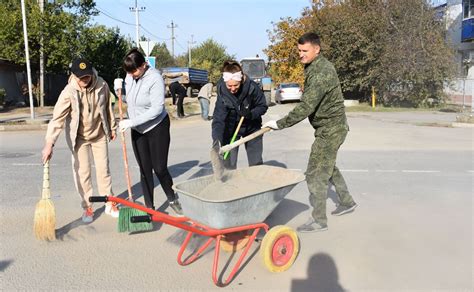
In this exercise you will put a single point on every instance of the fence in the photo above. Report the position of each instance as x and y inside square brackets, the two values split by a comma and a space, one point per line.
[460, 91]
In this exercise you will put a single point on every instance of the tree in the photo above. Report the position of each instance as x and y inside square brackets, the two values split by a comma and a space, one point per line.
[61, 31]
[416, 61]
[283, 52]
[394, 45]
[105, 51]
[67, 33]
[210, 56]
[163, 56]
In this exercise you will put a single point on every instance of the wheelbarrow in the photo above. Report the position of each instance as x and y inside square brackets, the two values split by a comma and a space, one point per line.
[238, 209]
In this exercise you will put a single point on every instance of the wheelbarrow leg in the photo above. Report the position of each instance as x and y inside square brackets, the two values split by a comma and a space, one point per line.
[239, 261]
[195, 255]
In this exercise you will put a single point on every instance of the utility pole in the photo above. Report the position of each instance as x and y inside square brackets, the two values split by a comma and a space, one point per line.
[173, 26]
[190, 43]
[41, 85]
[137, 10]
[27, 57]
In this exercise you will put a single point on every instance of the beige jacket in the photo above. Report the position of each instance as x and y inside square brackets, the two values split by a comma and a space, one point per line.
[67, 111]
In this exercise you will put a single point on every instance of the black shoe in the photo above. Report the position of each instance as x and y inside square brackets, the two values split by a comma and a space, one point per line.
[312, 226]
[341, 209]
[176, 206]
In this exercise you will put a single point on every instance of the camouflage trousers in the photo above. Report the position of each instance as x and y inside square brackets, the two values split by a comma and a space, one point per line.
[322, 170]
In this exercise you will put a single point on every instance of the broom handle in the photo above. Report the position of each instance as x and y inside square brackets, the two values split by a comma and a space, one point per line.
[46, 194]
[124, 149]
[234, 136]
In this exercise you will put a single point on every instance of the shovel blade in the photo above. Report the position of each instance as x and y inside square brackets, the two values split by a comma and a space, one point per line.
[217, 161]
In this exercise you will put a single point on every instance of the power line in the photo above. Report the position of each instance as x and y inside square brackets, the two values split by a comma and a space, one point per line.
[152, 34]
[108, 15]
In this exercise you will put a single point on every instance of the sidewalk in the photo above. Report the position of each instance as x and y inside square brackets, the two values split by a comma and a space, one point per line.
[19, 119]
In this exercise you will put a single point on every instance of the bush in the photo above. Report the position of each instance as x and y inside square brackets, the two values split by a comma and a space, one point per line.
[3, 94]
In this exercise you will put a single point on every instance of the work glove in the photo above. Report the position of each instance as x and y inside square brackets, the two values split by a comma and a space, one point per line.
[124, 125]
[271, 124]
[246, 113]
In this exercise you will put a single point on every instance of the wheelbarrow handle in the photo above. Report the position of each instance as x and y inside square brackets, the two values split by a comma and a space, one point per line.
[96, 199]
[243, 140]
[139, 219]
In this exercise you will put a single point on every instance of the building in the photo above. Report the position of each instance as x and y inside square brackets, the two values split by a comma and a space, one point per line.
[458, 16]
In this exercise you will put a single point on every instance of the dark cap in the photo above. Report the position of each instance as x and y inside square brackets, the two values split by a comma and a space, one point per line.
[81, 67]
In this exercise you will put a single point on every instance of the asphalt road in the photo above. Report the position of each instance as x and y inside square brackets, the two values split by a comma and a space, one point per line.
[412, 230]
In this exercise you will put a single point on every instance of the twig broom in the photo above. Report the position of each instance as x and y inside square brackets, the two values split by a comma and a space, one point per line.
[45, 216]
[125, 213]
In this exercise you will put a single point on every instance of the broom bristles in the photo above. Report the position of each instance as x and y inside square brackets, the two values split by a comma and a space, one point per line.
[45, 220]
[124, 224]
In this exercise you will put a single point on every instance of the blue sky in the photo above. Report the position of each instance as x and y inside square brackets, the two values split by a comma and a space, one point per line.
[240, 25]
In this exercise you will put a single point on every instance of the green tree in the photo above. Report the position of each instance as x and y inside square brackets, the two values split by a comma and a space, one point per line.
[106, 50]
[163, 56]
[61, 31]
[210, 56]
[395, 45]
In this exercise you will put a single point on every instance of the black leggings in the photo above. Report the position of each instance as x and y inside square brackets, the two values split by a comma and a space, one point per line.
[151, 151]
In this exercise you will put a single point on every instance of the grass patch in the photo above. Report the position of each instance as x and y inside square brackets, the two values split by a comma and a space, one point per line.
[365, 107]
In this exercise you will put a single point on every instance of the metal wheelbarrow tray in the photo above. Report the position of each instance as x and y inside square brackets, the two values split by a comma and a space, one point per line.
[246, 196]
[225, 217]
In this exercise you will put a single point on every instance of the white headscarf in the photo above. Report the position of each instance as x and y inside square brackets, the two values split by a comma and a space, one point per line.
[237, 76]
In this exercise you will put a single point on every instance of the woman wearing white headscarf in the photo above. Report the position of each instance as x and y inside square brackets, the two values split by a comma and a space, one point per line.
[238, 96]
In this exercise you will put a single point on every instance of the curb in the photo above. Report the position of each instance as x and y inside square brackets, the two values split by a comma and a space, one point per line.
[23, 128]
[24, 125]
[462, 125]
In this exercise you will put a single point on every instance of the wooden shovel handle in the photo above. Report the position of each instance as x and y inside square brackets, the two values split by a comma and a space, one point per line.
[124, 149]
[243, 140]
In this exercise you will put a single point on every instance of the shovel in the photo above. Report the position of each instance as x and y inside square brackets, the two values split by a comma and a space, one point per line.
[217, 151]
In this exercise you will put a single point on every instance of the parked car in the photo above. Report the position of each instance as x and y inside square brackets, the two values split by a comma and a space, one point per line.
[288, 92]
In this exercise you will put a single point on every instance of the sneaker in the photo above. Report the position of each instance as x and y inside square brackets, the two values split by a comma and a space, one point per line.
[88, 215]
[112, 209]
[176, 206]
[341, 209]
[312, 226]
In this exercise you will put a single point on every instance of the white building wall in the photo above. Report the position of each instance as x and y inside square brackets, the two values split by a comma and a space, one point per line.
[464, 51]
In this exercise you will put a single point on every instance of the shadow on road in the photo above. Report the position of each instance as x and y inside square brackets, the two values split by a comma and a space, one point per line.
[322, 276]
[4, 265]
[284, 212]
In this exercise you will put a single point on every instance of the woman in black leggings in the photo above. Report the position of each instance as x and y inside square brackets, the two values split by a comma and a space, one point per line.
[150, 126]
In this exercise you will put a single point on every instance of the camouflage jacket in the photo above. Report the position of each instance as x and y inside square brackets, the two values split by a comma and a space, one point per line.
[322, 102]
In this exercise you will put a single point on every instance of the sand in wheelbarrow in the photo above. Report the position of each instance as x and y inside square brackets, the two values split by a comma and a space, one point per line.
[241, 183]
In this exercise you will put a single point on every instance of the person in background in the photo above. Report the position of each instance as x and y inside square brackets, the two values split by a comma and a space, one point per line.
[113, 100]
[238, 97]
[178, 92]
[150, 126]
[204, 97]
[119, 88]
[323, 104]
[85, 111]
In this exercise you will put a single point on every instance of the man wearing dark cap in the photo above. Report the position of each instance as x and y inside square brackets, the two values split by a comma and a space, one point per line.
[84, 110]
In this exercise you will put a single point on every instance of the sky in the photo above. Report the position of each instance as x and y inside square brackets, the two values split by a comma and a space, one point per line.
[239, 25]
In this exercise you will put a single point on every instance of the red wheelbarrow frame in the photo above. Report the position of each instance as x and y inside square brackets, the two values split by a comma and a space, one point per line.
[193, 227]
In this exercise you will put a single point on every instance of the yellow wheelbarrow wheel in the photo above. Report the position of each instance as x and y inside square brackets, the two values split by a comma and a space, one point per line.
[279, 248]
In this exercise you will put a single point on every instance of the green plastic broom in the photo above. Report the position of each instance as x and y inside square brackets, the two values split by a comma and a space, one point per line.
[125, 213]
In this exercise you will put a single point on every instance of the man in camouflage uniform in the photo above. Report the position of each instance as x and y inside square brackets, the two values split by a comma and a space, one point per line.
[322, 103]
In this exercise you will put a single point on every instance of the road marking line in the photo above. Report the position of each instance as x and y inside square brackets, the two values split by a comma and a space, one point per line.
[419, 171]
